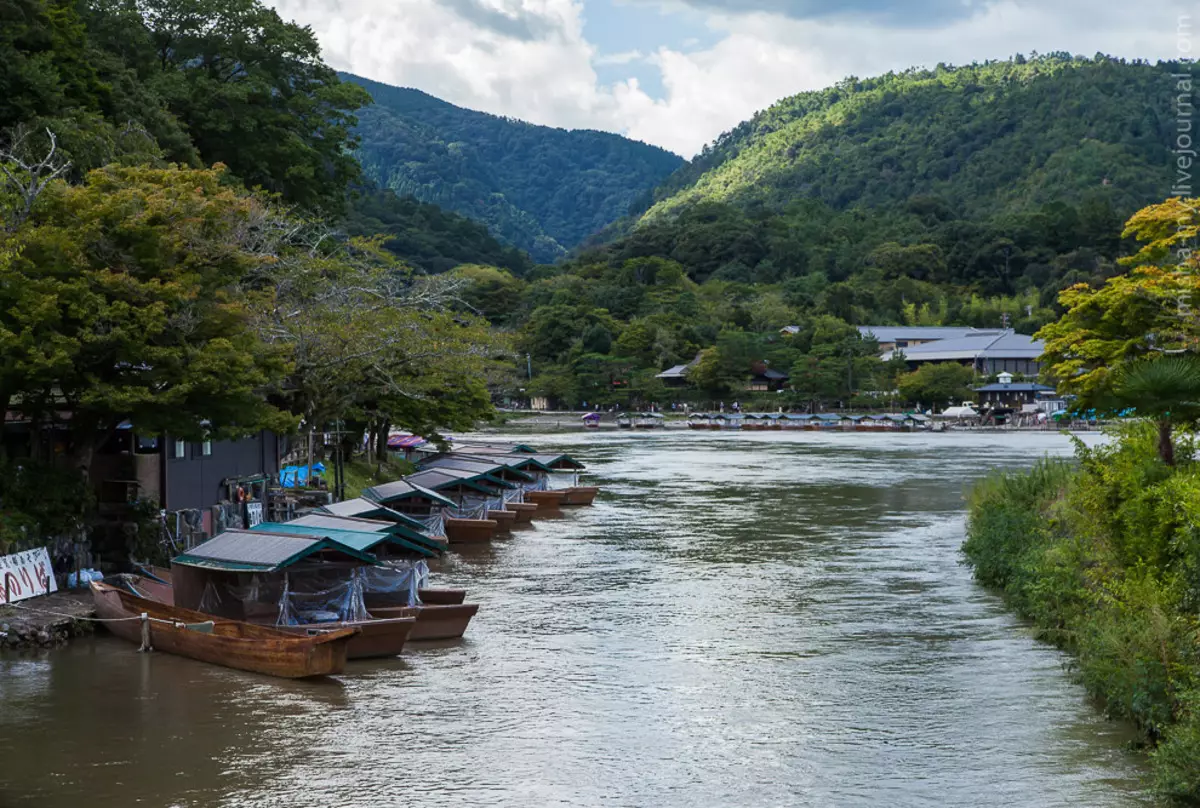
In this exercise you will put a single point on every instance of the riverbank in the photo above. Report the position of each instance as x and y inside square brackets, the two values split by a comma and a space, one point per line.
[572, 422]
[1103, 555]
[46, 622]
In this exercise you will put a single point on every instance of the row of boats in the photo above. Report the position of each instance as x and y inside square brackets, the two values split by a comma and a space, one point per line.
[904, 422]
[348, 580]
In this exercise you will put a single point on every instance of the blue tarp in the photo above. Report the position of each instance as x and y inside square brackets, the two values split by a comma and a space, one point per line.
[295, 476]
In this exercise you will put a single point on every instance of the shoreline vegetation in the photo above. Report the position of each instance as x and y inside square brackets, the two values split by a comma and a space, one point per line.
[1103, 556]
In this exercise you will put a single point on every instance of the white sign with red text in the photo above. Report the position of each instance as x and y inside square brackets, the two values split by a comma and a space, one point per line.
[26, 575]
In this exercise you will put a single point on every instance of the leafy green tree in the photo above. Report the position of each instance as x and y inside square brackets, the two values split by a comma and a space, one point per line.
[1165, 389]
[493, 293]
[819, 379]
[936, 384]
[122, 304]
[250, 88]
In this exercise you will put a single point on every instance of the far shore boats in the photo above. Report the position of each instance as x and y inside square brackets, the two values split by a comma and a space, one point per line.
[231, 643]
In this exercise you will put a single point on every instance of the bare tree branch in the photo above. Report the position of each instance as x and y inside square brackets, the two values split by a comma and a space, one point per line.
[26, 177]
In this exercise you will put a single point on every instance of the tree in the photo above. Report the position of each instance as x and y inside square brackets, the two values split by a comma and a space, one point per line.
[1149, 311]
[368, 339]
[817, 379]
[937, 383]
[250, 88]
[122, 305]
[1165, 389]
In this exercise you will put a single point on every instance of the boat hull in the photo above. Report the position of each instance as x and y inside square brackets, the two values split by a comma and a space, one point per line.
[442, 597]
[447, 622]
[504, 521]
[470, 531]
[523, 510]
[231, 643]
[381, 637]
[580, 495]
[548, 502]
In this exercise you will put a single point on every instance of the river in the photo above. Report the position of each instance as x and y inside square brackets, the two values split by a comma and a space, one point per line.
[761, 619]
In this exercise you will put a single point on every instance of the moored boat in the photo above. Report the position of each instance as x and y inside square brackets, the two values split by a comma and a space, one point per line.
[504, 519]
[578, 495]
[470, 531]
[441, 596]
[231, 643]
[433, 622]
[547, 501]
[377, 637]
[523, 510]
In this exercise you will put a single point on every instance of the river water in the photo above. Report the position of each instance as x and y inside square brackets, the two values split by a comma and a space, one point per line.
[769, 619]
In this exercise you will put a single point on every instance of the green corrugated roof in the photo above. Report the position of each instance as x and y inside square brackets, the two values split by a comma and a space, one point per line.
[263, 551]
[362, 541]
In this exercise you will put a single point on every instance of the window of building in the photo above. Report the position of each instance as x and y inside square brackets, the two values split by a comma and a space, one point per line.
[180, 449]
[206, 448]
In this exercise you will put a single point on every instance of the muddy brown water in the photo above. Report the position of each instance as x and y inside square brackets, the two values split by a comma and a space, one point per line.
[748, 620]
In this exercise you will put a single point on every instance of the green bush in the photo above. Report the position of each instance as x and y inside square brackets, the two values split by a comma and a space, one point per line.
[1104, 557]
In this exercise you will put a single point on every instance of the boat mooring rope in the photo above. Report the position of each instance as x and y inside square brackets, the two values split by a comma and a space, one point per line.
[145, 619]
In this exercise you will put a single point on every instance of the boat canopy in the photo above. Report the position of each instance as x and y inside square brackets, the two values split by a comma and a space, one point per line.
[398, 529]
[363, 541]
[553, 462]
[361, 508]
[405, 441]
[490, 467]
[440, 479]
[521, 462]
[401, 490]
[265, 551]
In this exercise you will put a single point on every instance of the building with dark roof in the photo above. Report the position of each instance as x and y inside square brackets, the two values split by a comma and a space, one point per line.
[892, 337]
[988, 352]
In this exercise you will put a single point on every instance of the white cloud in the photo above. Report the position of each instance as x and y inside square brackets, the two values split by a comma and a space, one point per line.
[529, 58]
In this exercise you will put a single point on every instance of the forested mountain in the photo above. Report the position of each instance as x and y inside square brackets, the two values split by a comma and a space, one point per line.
[539, 188]
[985, 139]
[426, 236]
[959, 196]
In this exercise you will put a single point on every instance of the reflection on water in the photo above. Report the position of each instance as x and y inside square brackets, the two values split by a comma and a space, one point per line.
[766, 619]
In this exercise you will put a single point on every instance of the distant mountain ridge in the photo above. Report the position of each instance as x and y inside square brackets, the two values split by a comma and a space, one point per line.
[538, 188]
[984, 139]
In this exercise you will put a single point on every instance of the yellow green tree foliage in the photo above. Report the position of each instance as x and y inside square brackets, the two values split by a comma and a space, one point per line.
[1147, 312]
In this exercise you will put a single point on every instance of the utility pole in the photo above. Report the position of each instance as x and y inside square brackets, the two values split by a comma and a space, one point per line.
[529, 365]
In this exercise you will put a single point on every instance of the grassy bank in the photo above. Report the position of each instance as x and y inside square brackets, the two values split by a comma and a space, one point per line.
[1103, 555]
[361, 475]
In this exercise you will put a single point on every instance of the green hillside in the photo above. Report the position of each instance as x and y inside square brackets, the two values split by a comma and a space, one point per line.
[960, 196]
[983, 139]
[538, 188]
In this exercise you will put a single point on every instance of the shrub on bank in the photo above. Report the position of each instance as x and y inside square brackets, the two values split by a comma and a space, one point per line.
[1103, 555]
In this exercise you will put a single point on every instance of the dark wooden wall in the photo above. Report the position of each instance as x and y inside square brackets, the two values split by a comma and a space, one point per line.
[194, 480]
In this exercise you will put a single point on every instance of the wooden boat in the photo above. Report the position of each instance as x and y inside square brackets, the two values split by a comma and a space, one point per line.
[231, 643]
[469, 531]
[504, 521]
[434, 622]
[578, 495]
[523, 510]
[376, 638]
[159, 588]
[442, 597]
[547, 501]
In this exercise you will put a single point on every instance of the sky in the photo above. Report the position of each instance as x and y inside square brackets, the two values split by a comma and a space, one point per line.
[678, 73]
